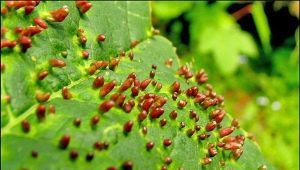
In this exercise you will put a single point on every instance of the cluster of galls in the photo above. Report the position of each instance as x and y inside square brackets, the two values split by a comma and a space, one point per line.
[26, 34]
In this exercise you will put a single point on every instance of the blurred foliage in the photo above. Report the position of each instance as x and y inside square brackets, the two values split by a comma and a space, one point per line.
[259, 80]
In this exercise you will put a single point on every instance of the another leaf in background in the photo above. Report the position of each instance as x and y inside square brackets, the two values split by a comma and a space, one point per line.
[169, 10]
[262, 26]
[218, 34]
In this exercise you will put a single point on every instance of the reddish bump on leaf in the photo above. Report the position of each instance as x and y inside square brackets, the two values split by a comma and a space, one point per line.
[25, 42]
[135, 91]
[57, 63]
[142, 115]
[169, 62]
[128, 126]
[210, 126]
[89, 156]
[149, 145]
[51, 108]
[156, 113]
[40, 22]
[25, 126]
[98, 82]
[144, 130]
[126, 84]
[181, 104]
[175, 87]
[206, 161]
[101, 38]
[73, 154]
[131, 55]
[127, 107]
[59, 15]
[173, 114]
[106, 106]
[40, 112]
[43, 74]
[120, 100]
[29, 9]
[158, 86]
[114, 63]
[108, 87]
[95, 120]
[168, 160]
[132, 75]
[83, 6]
[163, 122]
[152, 74]
[167, 142]
[77, 122]
[112, 168]
[212, 151]
[42, 97]
[147, 104]
[66, 93]
[64, 141]
[144, 84]
[34, 154]
[134, 43]
[2, 67]
[226, 131]
[190, 132]
[85, 54]
[127, 165]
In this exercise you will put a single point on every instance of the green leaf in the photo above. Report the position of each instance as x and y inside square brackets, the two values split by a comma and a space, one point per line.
[121, 23]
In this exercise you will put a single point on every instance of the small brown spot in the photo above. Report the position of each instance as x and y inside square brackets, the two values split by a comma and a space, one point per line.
[197, 127]
[59, 15]
[25, 126]
[167, 142]
[64, 141]
[51, 108]
[106, 106]
[142, 116]
[169, 62]
[173, 114]
[202, 136]
[163, 122]
[85, 54]
[154, 66]
[168, 160]
[112, 168]
[127, 165]
[57, 63]
[134, 43]
[206, 161]
[164, 167]
[135, 91]
[158, 86]
[40, 22]
[114, 62]
[128, 126]
[42, 97]
[212, 151]
[83, 6]
[126, 84]
[66, 93]
[127, 107]
[150, 145]
[156, 113]
[95, 120]
[108, 87]
[152, 74]
[190, 132]
[144, 130]
[73, 154]
[210, 126]
[43, 74]
[77, 122]
[131, 55]
[226, 131]
[98, 82]
[235, 123]
[89, 156]
[181, 104]
[175, 87]
[40, 112]
[144, 84]
[182, 125]
[34, 154]
[263, 167]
